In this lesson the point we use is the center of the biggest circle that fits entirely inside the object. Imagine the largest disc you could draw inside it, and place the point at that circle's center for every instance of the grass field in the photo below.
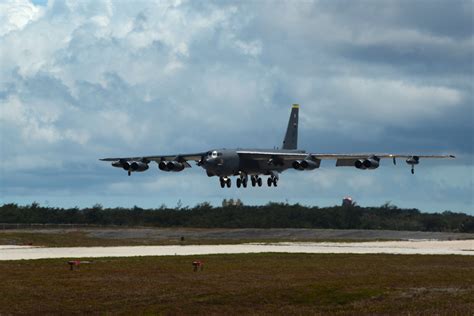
(140, 236)
(242, 284)
(81, 238)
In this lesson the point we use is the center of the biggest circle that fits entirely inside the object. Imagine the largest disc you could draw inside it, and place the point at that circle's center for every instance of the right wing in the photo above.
(158, 158)
(165, 162)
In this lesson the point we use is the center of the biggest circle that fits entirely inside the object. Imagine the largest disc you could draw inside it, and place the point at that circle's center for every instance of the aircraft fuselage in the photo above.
(227, 162)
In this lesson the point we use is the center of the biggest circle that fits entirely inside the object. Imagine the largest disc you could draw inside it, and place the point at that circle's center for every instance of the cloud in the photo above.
(16, 14)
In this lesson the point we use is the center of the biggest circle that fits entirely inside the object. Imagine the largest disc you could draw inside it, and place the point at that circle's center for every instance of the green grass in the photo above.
(242, 284)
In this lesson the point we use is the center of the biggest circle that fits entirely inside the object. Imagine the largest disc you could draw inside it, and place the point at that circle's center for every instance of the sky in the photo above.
(83, 80)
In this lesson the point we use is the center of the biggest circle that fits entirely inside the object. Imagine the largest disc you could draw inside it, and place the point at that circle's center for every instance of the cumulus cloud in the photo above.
(16, 14)
(84, 79)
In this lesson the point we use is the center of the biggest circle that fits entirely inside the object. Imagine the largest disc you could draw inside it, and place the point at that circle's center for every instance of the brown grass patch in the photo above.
(236, 284)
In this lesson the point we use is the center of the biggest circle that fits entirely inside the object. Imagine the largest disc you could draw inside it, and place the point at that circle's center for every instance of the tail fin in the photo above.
(291, 137)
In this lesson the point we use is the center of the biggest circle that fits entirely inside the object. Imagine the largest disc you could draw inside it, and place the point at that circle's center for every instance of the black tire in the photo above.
(254, 182)
(244, 183)
(239, 182)
(259, 182)
(269, 182)
(229, 183)
(222, 183)
(275, 182)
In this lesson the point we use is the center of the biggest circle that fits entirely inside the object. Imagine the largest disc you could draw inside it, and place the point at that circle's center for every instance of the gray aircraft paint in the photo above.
(291, 136)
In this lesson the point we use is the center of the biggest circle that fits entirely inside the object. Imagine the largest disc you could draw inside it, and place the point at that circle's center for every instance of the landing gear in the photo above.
(412, 169)
(242, 181)
(272, 180)
(256, 180)
(129, 173)
(224, 181)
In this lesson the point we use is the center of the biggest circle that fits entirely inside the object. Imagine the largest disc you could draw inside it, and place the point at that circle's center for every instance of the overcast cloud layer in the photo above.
(81, 80)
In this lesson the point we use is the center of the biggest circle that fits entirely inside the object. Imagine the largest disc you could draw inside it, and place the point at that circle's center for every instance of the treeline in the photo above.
(272, 215)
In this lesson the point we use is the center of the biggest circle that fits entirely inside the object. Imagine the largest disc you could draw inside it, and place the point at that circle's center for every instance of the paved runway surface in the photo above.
(426, 247)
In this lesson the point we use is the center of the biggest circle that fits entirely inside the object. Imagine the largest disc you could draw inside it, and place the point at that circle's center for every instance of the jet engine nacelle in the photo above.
(297, 165)
(174, 166)
(121, 164)
(359, 164)
(309, 164)
(163, 166)
(138, 166)
(371, 163)
(414, 160)
(305, 164)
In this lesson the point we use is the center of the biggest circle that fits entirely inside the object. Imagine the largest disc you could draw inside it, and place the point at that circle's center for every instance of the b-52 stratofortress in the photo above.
(251, 164)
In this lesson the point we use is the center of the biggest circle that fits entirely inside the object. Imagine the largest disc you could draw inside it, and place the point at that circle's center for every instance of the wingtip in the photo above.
(452, 156)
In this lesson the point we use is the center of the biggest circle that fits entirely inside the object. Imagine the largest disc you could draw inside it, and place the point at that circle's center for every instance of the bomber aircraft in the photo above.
(251, 164)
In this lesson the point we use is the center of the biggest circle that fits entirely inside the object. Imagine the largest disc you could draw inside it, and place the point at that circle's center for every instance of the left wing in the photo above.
(360, 161)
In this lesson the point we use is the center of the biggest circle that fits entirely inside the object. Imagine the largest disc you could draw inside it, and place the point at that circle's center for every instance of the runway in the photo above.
(421, 247)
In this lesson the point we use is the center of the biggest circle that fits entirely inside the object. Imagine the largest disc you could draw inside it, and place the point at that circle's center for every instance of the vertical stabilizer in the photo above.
(291, 136)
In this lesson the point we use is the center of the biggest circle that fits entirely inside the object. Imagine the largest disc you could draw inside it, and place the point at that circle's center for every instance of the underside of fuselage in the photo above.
(225, 163)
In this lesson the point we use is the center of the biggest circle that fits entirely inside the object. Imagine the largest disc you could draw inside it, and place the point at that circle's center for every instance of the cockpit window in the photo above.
(214, 154)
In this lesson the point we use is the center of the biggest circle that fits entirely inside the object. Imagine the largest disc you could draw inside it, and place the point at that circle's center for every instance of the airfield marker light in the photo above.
(76, 263)
(198, 264)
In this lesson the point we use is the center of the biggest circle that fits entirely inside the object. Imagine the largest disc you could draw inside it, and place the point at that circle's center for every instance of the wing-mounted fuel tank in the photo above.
(373, 162)
(412, 161)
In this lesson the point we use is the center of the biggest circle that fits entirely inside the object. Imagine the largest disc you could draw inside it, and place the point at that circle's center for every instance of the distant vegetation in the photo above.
(272, 215)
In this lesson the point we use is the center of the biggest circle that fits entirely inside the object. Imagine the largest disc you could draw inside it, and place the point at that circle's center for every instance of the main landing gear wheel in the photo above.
(256, 180)
(129, 173)
(244, 182)
(239, 182)
(225, 182)
(272, 180)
